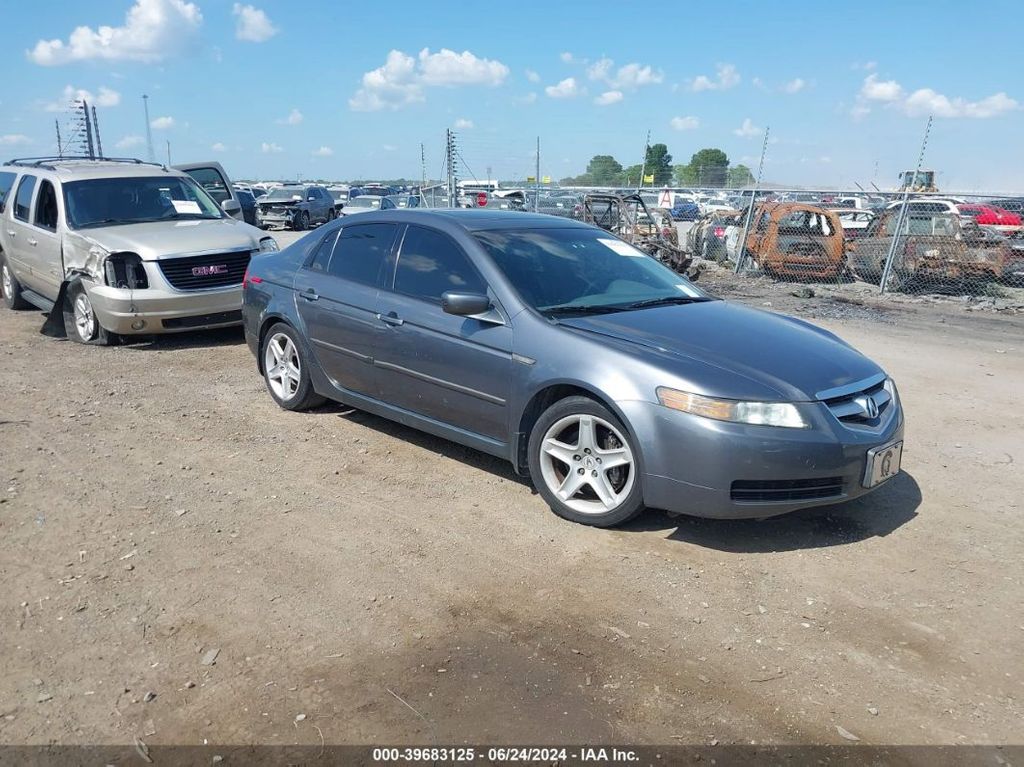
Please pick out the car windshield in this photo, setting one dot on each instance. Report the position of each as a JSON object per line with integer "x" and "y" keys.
{"x": 136, "y": 200}
{"x": 364, "y": 202}
{"x": 339, "y": 194}
{"x": 284, "y": 193}
{"x": 582, "y": 270}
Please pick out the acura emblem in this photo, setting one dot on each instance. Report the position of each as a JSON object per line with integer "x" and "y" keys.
{"x": 868, "y": 406}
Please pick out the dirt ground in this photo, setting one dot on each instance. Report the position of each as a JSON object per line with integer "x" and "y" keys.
{"x": 364, "y": 583}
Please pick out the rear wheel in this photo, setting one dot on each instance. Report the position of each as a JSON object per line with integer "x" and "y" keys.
{"x": 584, "y": 463}
{"x": 286, "y": 370}
{"x": 11, "y": 287}
{"x": 80, "y": 320}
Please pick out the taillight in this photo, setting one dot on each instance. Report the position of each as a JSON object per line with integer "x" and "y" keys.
{"x": 719, "y": 231}
{"x": 247, "y": 279}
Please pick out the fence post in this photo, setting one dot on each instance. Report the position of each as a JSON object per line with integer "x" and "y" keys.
{"x": 742, "y": 256}
{"x": 894, "y": 246}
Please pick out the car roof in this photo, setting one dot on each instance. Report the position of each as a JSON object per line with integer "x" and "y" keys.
{"x": 73, "y": 170}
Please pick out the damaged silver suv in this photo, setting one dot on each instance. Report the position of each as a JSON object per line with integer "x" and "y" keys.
{"x": 119, "y": 247}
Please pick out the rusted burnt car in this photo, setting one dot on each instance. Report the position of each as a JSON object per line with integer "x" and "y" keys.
{"x": 649, "y": 229}
{"x": 797, "y": 241}
{"x": 936, "y": 248}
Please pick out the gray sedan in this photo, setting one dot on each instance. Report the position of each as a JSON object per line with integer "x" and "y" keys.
{"x": 611, "y": 380}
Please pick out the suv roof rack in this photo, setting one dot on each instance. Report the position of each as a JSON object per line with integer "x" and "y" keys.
{"x": 50, "y": 161}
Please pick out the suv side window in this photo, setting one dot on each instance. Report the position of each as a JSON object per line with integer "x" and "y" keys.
{"x": 361, "y": 251}
{"x": 431, "y": 263}
{"x": 6, "y": 184}
{"x": 24, "y": 197}
{"x": 45, "y": 216}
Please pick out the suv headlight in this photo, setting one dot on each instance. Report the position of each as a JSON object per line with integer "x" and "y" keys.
{"x": 268, "y": 245}
{"x": 784, "y": 414}
{"x": 125, "y": 270}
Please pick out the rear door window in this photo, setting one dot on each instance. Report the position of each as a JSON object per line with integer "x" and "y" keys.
{"x": 45, "y": 216}
{"x": 6, "y": 184}
{"x": 361, "y": 251}
{"x": 23, "y": 199}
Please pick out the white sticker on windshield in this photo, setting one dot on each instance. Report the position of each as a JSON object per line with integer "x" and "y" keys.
{"x": 687, "y": 290}
{"x": 622, "y": 248}
{"x": 186, "y": 206}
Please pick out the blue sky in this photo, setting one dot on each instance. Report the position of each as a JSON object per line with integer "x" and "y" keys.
{"x": 346, "y": 90}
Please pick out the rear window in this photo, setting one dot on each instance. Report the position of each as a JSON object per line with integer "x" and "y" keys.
{"x": 361, "y": 251}
{"x": 211, "y": 180}
{"x": 6, "y": 184}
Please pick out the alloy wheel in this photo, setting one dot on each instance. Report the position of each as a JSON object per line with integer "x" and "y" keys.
{"x": 7, "y": 280}
{"x": 284, "y": 369}
{"x": 587, "y": 464}
{"x": 85, "y": 319}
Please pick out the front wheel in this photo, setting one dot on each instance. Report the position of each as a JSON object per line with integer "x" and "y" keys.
{"x": 286, "y": 370}
{"x": 80, "y": 320}
{"x": 302, "y": 222}
{"x": 584, "y": 463}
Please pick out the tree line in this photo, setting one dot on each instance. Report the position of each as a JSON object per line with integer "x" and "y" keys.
{"x": 707, "y": 168}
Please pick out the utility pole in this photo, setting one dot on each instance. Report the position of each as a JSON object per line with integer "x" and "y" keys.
{"x": 453, "y": 180}
{"x": 96, "y": 130}
{"x": 423, "y": 169}
{"x": 643, "y": 165}
{"x": 90, "y": 148}
{"x": 536, "y": 180}
{"x": 149, "y": 131}
{"x": 741, "y": 257}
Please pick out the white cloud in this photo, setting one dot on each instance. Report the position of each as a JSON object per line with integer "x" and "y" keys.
{"x": 130, "y": 142}
{"x": 252, "y": 24}
{"x": 402, "y": 79}
{"x": 566, "y": 89}
{"x": 866, "y": 66}
{"x": 270, "y": 148}
{"x": 529, "y": 98}
{"x": 152, "y": 31}
{"x": 794, "y": 86}
{"x": 294, "y": 117}
{"x": 389, "y": 147}
{"x": 726, "y": 77}
{"x": 747, "y": 130}
{"x": 880, "y": 90}
{"x": 106, "y": 97}
{"x": 218, "y": 147}
{"x": 532, "y": 76}
{"x": 685, "y": 123}
{"x": 162, "y": 123}
{"x": 14, "y": 139}
{"x": 324, "y": 151}
{"x": 626, "y": 78}
{"x": 463, "y": 124}
{"x": 566, "y": 57}
{"x": 608, "y": 97}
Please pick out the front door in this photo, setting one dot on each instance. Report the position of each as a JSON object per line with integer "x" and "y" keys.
{"x": 337, "y": 293}
{"x": 456, "y": 370}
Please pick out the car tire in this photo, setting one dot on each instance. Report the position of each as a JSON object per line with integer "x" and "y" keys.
{"x": 11, "y": 288}
{"x": 80, "y": 320}
{"x": 302, "y": 222}
{"x": 330, "y": 215}
{"x": 285, "y": 364}
{"x": 569, "y": 452}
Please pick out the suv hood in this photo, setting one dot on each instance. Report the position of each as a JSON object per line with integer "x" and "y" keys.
{"x": 783, "y": 357}
{"x": 170, "y": 239}
{"x": 284, "y": 203}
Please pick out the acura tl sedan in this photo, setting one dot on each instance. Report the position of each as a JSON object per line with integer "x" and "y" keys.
{"x": 608, "y": 378}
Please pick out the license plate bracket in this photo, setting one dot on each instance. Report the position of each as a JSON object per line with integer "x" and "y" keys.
{"x": 883, "y": 463}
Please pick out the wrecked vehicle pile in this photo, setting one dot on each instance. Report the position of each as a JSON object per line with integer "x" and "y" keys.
{"x": 797, "y": 241}
{"x": 649, "y": 229}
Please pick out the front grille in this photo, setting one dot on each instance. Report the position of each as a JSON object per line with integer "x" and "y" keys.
{"x": 202, "y": 320}
{"x": 850, "y": 412}
{"x": 778, "y": 490}
{"x": 201, "y": 272}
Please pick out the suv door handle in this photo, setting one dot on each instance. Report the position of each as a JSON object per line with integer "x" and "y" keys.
{"x": 11, "y": 233}
{"x": 33, "y": 243}
{"x": 391, "y": 319}
{"x": 310, "y": 295}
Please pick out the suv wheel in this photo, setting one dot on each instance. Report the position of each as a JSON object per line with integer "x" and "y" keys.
{"x": 584, "y": 463}
{"x": 10, "y": 287}
{"x": 80, "y": 320}
{"x": 286, "y": 370}
{"x": 302, "y": 222}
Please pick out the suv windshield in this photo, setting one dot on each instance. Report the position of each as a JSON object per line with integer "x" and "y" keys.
{"x": 364, "y": 202}
{"x": 582, "y": 270}
{"x": 136, "y": 200}
{"x": 285, "y": 193}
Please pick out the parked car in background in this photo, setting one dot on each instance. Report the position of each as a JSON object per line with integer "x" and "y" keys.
{"x": 403, "y": 201}
{"x": 684, "y": 209}
{"x": 340, "y": 196}
{"x": 855, "y": 221}
{"x": 1010, "y": 204}
{"x": 470, "y": 326}
{"x": 991, "y": 216}
{"x": 212, "y": 177}
{"x": 248, "y": 203}
{"x": 366, "y": 203}
{"x": 119, "y": 248}
{"x": 296, "y": 206}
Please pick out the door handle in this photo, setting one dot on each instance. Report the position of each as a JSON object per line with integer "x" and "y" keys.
{"x": 391, "y": 319}
{"x": 310, "y": 295}
{"x": 33, "y": 243}
{"x": 11, "y": 234}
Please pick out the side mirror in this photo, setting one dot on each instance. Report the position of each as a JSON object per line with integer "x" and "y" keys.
{"x": 464, "y": 304}
{"x": 231, "y": 207}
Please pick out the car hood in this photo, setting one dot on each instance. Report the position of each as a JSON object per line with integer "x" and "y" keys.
{"x": 169, "y": 239}
{"x": 755, "y": 353}
{"x": 289, "y": 201}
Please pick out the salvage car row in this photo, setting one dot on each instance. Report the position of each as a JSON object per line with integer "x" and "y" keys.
{"x": 551, "y": 343}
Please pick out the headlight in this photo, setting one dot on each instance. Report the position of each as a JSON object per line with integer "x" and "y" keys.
{"x": 268, "y": 245}
{"x": 757, "y": 413}
{"x": 890, "y": 387}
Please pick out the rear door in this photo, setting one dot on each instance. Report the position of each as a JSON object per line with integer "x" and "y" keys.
{"x": 456, "y": 370}
{"x": 337, "y": 293}
{"x": 44, "y": 252}
{"x": 7, "y": 182}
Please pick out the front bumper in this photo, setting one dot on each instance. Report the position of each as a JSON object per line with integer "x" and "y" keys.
{"x": 158, "y": 310}
{"x": 276, "y": 219}
{"x": 690, "y": 463}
